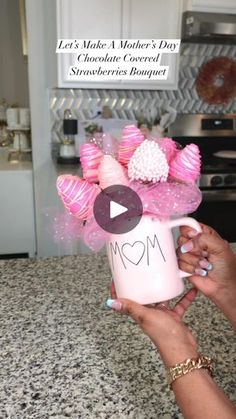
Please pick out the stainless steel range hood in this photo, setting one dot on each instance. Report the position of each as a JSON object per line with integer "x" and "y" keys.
{"x": 209, "y": 27}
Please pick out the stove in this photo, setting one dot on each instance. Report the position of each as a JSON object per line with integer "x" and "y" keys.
{"x": 218, "y": 174}
{"x": 213, "y": 134}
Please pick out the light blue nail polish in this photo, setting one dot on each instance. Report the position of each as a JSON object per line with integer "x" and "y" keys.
{"x": 201, "y": 272}
{"x": 187, "y": 247}
{"x": 210, "y": 267}
{"x": 183, "y": 250}
{"x": 109, "y": 302}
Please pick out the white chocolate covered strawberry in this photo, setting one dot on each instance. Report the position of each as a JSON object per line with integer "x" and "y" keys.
{"x": 148, "y": 163}
{"x": 111, "y": 172}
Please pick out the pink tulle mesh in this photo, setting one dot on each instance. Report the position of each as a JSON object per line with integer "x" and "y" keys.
{"x": 170, "y": 198}
{"x": 94, "y": 236}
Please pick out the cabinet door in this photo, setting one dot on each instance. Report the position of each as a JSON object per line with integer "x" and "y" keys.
{"x": 119, "y": 19}
{"x": 90, "y": 19}
{"x": 218, "y": 6}
{"x": 17, "y": 233}
{"x": 155, "y": 19}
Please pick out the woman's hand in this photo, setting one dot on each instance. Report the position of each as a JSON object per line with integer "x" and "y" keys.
{"x": 212, "y": 264}
{"x": 165, "y": 327}
{"x": 196, "y": 393}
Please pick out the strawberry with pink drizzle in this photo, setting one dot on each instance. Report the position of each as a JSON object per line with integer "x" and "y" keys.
{"x": 168, "y": 146}
{"x": 130, "y": 140}
{"x": 78, "y": 195}
{"x": 186, "y": 164}
{"x": 90, "y": 157}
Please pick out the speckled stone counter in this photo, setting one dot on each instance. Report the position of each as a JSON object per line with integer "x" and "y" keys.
{"x": 63, "y": 354}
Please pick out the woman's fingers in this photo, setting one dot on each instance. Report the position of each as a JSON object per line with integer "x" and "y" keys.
{"x": 205, "y": 242}
{"x": 200, "y": 266}
{"x": 182, "y": 306}
{"x": 186, "y": 267}
{"x": 194, "y": 248}
{"x": 113, "y": 291}
{"x": 139, "y": 313}
{"x": 148, "y": 318}
{"x": 189, "y": 258}
{"x": 162, "y": 325}
{"x": 199, "y": 254}
{"x": 188, "y": 232}
{"x": 183, "y": 240}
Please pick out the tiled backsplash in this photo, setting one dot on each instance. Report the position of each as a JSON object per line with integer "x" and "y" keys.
{"x": 130, "y": 103}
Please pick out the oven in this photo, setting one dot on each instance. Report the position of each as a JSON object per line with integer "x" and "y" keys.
{"x": 216, "y": 137}
{"x": 218, "y": 210}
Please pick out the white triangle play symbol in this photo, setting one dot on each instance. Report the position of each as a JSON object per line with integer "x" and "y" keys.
{"x": 116, "y": 209}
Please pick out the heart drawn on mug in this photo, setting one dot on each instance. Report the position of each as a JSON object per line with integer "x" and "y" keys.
{"x": 133, "y": 252}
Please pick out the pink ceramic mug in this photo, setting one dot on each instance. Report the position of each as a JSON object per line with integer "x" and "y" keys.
{"x": 143, "y": 261}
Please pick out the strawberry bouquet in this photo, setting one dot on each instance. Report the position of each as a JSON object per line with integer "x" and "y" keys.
{"x": 157, "y": 169}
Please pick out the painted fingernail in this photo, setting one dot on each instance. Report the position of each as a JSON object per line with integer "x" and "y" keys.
{"x": 186, "y": 247}
{"x": 205, "y": 264}
{"x": 204, "y": 253}
{"x": 201, "y": 272}
{"x": 114, "y": 304}
{"x": 192, "y": 233}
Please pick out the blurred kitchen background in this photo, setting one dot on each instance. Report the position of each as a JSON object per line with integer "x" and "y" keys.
{"x": 36, "y": 95}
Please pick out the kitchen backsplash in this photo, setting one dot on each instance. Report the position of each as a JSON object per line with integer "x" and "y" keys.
{"x": 131, "y": 103}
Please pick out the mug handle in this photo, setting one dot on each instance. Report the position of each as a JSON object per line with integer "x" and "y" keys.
{"x": 185, "y": 221}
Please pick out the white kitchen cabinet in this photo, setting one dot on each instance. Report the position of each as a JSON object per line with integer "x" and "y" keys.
{"x": 17, "y": 231}
{"x": 85, "y": 19}
{"x": 155, "y": 19}
{"x": 218, "y": 6}
{"x": 109, "y": 19}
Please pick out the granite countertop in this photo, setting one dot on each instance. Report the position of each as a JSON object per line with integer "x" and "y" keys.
{"x": 64, "y": 354}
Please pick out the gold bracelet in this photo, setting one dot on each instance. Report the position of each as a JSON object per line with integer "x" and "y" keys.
{"x": 191, "y": 364}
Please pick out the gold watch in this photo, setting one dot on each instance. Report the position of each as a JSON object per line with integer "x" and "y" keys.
{"x": 191, "y": 364}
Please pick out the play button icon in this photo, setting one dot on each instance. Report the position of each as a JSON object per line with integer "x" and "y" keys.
{"x": 118, "y": 209}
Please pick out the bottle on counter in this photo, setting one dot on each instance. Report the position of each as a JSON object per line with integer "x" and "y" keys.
{"x": 67, "y": 147}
